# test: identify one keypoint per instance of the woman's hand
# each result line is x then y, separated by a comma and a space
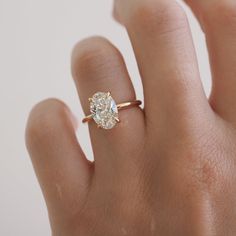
169, 169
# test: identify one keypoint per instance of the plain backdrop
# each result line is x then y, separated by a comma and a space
36, 39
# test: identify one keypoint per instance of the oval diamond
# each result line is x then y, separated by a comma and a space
104, 110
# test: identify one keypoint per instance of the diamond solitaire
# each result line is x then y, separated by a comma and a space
104, 110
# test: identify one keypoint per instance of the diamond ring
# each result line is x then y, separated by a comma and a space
104, 110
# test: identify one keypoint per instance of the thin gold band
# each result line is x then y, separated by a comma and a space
120, 106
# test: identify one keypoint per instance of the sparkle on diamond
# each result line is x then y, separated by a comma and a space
104, 110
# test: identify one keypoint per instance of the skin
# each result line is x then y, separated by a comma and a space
166, 170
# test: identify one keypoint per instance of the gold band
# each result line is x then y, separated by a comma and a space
120, 106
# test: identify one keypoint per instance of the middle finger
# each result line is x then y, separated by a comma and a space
162, 42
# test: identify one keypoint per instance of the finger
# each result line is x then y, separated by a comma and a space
218, 19
98, 66
162, 42
60, 165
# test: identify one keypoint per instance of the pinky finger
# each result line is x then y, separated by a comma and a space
60, 165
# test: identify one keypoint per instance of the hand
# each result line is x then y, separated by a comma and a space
166, 170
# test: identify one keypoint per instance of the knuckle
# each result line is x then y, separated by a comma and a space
201, 164
45, 120
213, 174
162, 16
206, 173
208, 169
197, 175
92, 55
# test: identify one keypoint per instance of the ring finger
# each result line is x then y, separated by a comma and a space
97, 66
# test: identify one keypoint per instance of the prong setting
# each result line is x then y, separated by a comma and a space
104, 110
117, 120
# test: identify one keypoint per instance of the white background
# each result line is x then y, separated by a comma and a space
36, 39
